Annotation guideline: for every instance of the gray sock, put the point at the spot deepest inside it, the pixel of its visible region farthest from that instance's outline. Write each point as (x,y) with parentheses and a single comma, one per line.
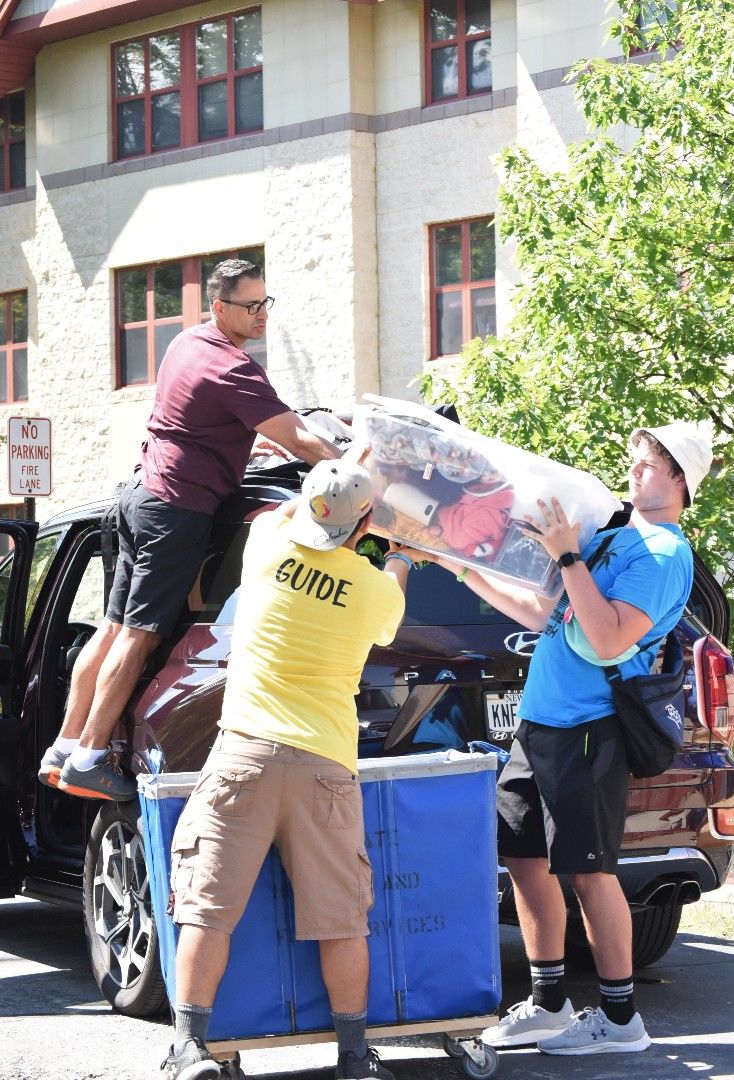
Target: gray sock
(350,1031)
(191,1023)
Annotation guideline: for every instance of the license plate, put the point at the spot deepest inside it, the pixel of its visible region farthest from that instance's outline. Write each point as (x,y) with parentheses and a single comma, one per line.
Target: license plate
(501,712)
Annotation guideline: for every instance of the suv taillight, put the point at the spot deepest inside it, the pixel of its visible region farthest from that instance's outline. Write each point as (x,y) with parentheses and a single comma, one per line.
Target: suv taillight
(722,820)
(715,688)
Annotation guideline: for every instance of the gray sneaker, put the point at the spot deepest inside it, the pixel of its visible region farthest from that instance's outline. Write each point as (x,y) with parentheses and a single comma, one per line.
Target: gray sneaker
(193,1062)
(105,780)
(525,1023)
(591,1032)
(52,763)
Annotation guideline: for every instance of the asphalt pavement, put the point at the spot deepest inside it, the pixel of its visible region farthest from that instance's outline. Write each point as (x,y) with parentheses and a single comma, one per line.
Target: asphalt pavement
(54,1026)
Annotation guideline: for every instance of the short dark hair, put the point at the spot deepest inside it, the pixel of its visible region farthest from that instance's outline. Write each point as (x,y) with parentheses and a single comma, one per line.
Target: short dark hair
(225,275)
(657,448)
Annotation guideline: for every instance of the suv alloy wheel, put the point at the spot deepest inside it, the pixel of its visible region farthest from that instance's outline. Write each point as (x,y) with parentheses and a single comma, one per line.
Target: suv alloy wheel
(118,921)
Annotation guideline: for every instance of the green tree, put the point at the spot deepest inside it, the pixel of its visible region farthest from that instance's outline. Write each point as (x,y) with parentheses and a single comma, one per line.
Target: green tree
(625,314)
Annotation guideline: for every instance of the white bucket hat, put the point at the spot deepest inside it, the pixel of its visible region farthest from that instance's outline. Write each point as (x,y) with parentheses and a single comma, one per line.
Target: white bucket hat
(689,445)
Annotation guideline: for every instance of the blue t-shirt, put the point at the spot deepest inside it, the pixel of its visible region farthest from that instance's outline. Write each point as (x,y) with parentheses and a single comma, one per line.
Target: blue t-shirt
(651,569)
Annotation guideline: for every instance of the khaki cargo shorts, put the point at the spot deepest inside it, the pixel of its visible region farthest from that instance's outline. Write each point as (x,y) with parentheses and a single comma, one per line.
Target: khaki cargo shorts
(251,794)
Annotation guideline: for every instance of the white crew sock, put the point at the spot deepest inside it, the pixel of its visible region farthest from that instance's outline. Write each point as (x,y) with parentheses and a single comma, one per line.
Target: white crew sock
(65,746)
(84,759)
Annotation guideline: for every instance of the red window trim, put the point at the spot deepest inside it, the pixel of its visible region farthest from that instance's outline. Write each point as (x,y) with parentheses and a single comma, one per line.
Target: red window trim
(8,350)
(187,86)
(194,307)
(146,97)
(232,73)
(6,141)
(465,287)
(460,41)
(644,50)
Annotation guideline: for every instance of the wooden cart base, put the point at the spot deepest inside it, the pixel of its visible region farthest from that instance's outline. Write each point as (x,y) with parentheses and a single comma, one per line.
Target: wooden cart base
(461,1041)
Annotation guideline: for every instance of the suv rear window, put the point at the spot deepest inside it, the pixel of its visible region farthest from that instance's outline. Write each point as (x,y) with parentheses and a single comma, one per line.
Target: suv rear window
(436,598)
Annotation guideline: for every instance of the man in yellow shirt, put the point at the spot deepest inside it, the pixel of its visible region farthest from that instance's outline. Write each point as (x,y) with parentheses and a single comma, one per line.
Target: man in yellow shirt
(283,768)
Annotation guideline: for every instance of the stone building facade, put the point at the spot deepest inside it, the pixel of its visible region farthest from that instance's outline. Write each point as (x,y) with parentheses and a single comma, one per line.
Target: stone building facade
(368,174)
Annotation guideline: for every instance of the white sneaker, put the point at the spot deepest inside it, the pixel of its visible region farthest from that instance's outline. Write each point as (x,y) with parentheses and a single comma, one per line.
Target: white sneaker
(592,1032)
(525,1023)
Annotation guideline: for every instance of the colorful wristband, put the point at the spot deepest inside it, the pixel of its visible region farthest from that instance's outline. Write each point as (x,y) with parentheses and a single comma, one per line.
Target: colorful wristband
(399,555)
(462,574)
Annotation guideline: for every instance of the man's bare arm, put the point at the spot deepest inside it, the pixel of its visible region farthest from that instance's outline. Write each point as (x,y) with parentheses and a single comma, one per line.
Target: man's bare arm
(610,625)
(523,605)
(288,430)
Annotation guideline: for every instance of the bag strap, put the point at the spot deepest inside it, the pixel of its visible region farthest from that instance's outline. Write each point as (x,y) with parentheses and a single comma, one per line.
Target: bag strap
(612,671)
(109,545)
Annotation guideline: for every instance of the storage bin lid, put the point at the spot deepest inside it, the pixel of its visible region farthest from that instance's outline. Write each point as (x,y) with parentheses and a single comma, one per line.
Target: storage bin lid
(409,766)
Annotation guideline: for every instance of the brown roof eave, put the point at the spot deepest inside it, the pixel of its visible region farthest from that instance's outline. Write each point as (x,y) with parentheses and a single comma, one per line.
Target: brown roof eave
(82,17)
(16,65)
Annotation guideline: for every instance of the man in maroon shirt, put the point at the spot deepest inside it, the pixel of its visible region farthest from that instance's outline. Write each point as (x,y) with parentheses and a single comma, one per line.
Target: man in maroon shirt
(211,400)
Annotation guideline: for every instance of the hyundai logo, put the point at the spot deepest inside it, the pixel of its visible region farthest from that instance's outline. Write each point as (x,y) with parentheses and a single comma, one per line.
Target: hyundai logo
(523,643)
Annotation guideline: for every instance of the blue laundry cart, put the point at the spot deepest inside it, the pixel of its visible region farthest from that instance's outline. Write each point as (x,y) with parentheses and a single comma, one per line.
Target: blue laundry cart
(430,831)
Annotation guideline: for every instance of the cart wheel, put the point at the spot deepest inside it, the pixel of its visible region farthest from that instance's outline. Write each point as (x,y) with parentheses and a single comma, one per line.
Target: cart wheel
(452,1047)
(481,1072)
(230,1070)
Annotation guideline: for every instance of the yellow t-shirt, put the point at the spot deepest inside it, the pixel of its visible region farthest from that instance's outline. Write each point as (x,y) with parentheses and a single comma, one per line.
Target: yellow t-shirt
(305,623)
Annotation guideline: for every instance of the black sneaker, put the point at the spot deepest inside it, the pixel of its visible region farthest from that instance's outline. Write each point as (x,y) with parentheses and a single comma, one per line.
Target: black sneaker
(194,1062)
(351,1067)
(105,780)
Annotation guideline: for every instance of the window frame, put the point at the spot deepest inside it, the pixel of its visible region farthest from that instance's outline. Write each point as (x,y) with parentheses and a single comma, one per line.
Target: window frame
(187,87)
(8,350)
(466,286)
(647,46)
(460,41)
(194,307)
(6,141)
(146,96)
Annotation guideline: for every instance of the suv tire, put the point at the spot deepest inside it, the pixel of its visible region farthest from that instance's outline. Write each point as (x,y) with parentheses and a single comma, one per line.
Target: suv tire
(122,940)
(653,932)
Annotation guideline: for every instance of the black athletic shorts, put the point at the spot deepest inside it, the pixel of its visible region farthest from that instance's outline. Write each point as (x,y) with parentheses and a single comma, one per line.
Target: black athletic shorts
(161,549)
(563,796)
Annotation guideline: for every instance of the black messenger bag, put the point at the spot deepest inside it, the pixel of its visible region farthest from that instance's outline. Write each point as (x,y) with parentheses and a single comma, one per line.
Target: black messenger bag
(650,709)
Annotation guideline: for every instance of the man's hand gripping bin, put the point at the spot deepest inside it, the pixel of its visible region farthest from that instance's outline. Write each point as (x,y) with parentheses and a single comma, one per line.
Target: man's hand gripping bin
(434,950)
(446,490)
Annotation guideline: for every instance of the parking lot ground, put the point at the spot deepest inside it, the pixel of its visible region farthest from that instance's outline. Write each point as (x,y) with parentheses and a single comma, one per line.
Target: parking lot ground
(53,1025)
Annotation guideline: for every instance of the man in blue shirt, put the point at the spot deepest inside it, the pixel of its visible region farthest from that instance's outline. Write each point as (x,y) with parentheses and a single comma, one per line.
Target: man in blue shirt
(561,798)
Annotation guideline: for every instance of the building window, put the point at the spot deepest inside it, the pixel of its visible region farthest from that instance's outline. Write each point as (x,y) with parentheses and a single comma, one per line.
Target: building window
(12,141)
(154,303)
(14,346)
(655,16)
(199,82)
(458,48)
(462,284)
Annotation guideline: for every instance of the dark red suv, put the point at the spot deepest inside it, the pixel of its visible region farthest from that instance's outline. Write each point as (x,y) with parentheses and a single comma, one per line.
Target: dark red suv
(453,675)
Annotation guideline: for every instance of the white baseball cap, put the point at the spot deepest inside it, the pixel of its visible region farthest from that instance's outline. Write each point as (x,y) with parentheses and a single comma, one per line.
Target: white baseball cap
(689,445)
(336,495)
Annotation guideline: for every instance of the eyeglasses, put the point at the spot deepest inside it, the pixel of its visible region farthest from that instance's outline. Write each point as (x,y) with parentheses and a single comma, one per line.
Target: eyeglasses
(255,306)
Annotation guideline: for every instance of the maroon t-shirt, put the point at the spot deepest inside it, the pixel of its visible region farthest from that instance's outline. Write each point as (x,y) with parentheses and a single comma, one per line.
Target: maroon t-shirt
(209,398)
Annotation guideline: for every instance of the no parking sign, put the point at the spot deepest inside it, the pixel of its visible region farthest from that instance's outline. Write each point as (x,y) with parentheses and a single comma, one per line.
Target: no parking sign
(29,456)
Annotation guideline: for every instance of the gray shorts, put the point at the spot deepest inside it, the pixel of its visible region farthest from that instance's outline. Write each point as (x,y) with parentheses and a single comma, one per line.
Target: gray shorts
(161,549)
(253,793)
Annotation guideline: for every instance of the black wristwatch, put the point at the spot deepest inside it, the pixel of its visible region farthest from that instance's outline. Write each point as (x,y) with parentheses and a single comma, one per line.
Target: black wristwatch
(569,558)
